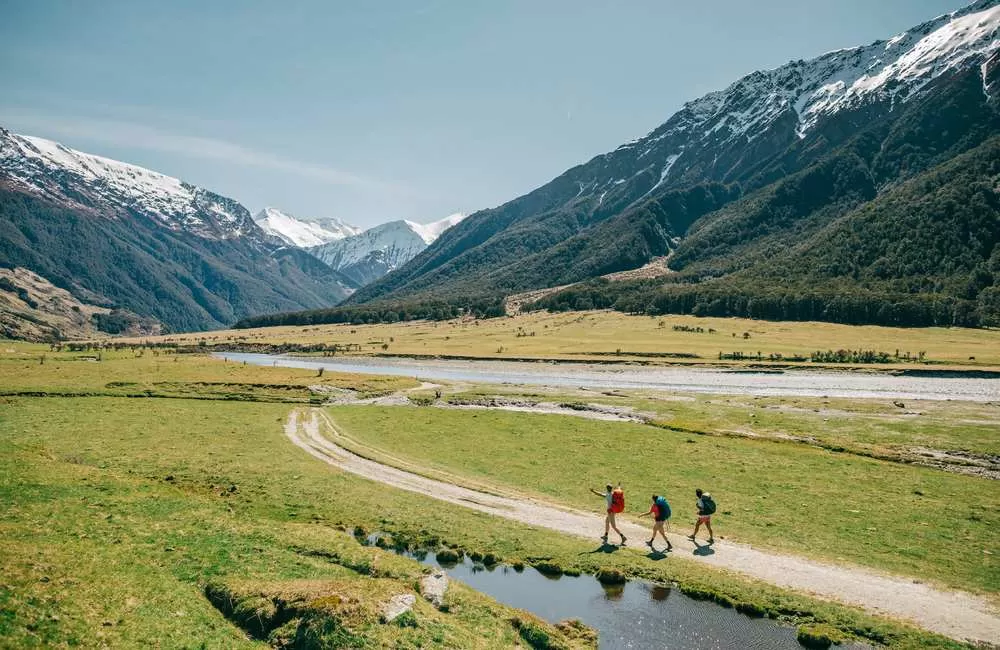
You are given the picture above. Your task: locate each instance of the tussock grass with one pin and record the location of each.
(605, 335)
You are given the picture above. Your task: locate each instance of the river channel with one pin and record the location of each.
(802, 383)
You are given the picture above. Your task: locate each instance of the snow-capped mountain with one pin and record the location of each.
(721, 135)
(140, 244)
(943, 74)
(367, 256)
(66, 175)
(303, 232)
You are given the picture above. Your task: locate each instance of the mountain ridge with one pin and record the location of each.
(852, 123)
(611, 183)
(145, 244)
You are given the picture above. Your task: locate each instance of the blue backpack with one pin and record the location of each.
(663, 507)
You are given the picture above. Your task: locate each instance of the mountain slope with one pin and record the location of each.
(925, 252)
(367, 256)
(888, 111)
(120, 236)
(302, 233)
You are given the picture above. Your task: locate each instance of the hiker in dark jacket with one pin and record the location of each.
(706, 508)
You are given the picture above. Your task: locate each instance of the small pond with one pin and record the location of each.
(636, 615)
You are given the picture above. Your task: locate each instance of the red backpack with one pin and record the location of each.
(617, 500)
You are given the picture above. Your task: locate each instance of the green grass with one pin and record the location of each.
(117, 516)
(926, 523)
(120, 510)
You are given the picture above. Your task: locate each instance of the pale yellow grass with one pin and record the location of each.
(595, 334)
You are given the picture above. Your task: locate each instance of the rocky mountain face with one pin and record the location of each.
(303, 233)
(131, 240)
(733, 176)
(369, 255)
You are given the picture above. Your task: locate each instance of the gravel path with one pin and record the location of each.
(958, 615)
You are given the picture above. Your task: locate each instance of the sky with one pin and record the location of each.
(382, 110)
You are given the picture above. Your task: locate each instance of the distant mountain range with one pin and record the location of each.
(361, 255)
(860, 186)
(758, 194)
(90, 244)
(369, 255)
(149, 250)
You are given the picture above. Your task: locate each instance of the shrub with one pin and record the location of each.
(611, 577)
(819, 635)
(548, 568)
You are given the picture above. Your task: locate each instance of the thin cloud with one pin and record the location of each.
(130, 134)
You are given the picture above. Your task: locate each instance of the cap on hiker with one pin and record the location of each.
(608, 487)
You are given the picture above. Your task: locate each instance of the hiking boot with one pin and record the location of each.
(604, 538)
(711, 540)
(623, 540)
(691, 537)
(650, 544)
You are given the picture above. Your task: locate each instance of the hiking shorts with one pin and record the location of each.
(704, 519)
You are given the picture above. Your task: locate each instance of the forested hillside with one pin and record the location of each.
(927, 252)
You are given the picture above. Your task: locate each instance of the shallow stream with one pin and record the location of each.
(804, 383)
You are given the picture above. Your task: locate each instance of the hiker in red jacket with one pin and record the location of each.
(615, 503)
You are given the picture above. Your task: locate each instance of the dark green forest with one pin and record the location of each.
(923, 253)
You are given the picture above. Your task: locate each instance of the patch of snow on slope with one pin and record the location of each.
(301, 232)
(431, 231)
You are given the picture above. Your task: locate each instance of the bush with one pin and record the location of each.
(819, 636)
(611, 577)
(548, 568)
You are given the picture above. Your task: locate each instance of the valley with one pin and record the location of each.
(158, 430)
(776, 313)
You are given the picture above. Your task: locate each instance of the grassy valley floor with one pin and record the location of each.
(123, 505)
(610, 336)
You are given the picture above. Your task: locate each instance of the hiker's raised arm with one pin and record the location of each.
(600, 494)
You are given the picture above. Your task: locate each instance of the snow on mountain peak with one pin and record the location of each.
(61, 173)
(369, 255)
(303, 233)
(431, 231)
(710, 132)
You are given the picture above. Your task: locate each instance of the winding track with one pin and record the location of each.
(958, 615)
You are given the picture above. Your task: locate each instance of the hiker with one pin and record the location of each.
(661, 513)
(615, 502)
(706, 508)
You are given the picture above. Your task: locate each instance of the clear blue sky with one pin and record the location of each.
(373, 111)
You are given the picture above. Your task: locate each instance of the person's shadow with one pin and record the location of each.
(604, 548)
(657, 555)
(702, 549)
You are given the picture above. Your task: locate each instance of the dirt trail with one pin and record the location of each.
(954, 614)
